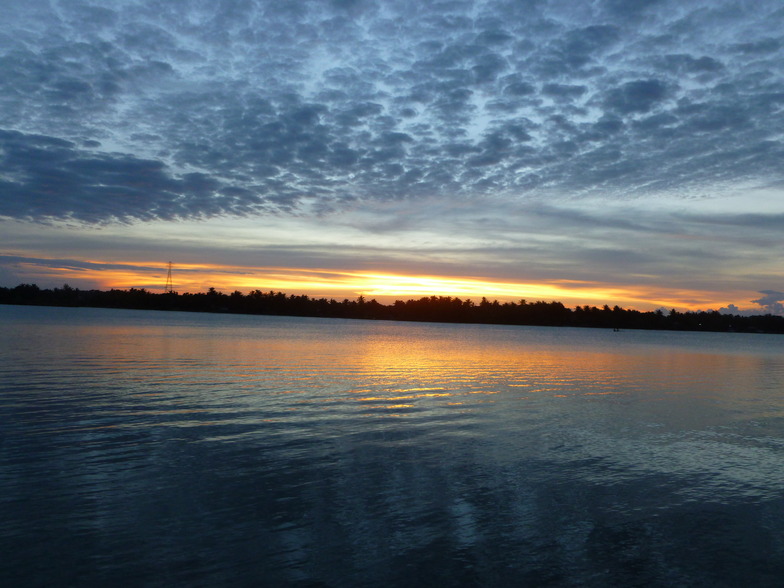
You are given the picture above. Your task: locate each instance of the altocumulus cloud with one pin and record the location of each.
(123, 112)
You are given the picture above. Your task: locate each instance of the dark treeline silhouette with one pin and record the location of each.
(432, 309)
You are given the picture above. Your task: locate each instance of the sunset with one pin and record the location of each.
(625, 150)
(392, 293)
(330, 283)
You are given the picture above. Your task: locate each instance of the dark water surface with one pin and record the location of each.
(163, 449)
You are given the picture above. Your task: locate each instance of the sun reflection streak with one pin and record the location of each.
(444, 381)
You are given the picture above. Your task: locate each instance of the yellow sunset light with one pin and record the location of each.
(386, 287)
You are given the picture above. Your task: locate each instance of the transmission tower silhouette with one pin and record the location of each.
(169, 288)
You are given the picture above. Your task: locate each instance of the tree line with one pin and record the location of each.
(430, 309)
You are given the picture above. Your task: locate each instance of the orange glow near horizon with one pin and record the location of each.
(385, 287)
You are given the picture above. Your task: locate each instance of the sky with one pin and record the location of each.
(623, 152)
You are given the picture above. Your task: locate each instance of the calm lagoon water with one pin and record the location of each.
(163, 449)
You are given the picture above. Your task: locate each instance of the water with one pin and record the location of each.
(161, 449)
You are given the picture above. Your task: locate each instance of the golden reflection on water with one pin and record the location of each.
(454, 372)
(403, 371)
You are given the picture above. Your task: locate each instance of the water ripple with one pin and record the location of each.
(157, 448)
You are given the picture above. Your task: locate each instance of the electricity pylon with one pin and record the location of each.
(169, 288)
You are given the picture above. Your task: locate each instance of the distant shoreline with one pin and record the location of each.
(441, 309)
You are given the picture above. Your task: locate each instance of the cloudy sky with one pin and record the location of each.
(607, 151)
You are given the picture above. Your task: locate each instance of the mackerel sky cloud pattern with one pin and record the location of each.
(146, 110)
(632, 142)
